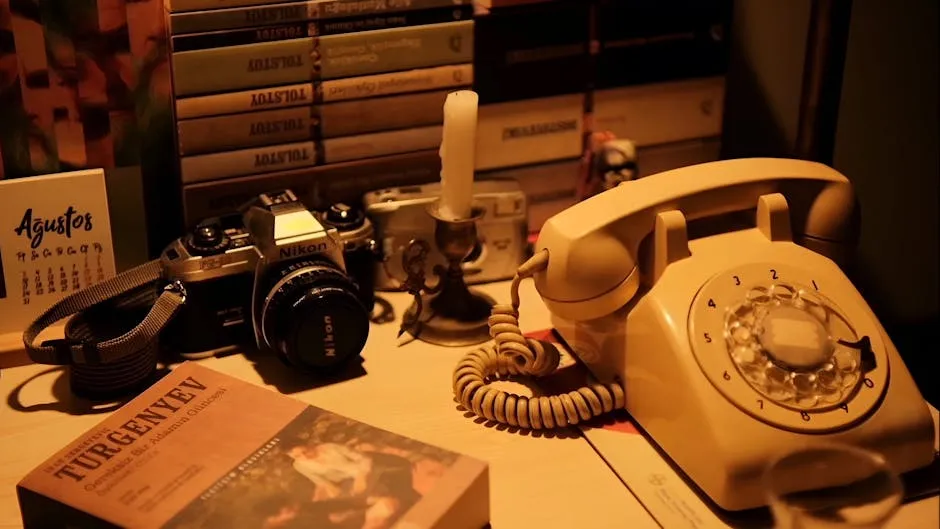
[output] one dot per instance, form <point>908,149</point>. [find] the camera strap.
<point>109,341</point>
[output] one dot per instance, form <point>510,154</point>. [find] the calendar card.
<point>55,239</point>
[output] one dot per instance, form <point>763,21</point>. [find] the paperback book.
<point>658,113</point>
<point>651,42</point>
<point>178,6</point>
<point>529,131</point>
<point>318,28</point>
<point>549,187</point>
<point>317,186</point>
<point>532,51</point>
<point>214,166</point>
<point>666,157</point>
<point>319,58</point>
<point>452,77</point>
<point>346,118</point>
<point>203,449</point>
<point>286,12</point>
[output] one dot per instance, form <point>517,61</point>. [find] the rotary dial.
<point>776,345</point>
<point>789,344</point>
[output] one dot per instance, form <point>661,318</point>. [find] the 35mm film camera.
<point>294,281</point>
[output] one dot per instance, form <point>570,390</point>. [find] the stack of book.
<point>329,97</point>
<point>532,62</point>
<point>659,78</point>
<point>550,73</point>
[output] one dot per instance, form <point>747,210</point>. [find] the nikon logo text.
<point>297,251</point>
<point>329,342</point>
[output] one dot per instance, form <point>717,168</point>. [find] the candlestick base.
<point>469,328</point>
<point>451,314</point>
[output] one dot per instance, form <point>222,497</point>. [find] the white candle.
<point>458,150</point>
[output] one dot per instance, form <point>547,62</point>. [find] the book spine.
<point>660,158</point>
<point>364,146</point>
<point>386,84</point>
<point>539,214</point>
<point>255,129</point>
<point>551,57</point>
<point>321,58</point>
<point>237,37</point>
<point>383,113</point>
<point>641,43</point>
<point>247,161</point>
<point>450,76</point>
<point>315,186</point>
<point>658,113</point>
<point>345,118</point>
<point>177,6</point>
<point>531,131</point>
<point>285,13</point>
<point>498,4</point>
<point>549,187</point>
<point>246,101</point>
<point>541,182</point>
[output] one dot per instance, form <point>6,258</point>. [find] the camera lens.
<point>312,315</point>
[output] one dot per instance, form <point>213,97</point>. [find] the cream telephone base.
<point>729,349</point>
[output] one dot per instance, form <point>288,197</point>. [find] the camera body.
<point>292,280</point>
<point>400,216</point>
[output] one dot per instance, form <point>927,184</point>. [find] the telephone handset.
<point>593,245</point>
<point>729,349</point>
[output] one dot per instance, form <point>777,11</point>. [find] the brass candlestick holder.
<point>449,313</point>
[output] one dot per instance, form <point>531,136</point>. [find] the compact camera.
<point>295,281</point>
<point>400,216</point>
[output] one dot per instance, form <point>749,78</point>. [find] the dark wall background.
<point>886,143</point>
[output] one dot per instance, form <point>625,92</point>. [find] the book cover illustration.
<point>325,471</point>
<point>83,83</point>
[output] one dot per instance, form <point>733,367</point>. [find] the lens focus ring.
<point>312,316</point>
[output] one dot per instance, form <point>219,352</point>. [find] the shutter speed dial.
<point>208,238</point>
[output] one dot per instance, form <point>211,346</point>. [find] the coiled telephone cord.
<point>514,354</point>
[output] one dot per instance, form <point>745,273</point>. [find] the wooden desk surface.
<point>543,481</point>
<point>535,480</point>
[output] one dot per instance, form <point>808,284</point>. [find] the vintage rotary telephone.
<point>729,349</point>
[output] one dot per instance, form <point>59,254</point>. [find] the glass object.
<point>832,487</point>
